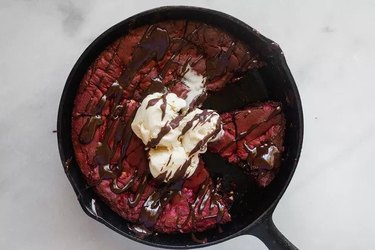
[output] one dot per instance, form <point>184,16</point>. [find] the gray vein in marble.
<point>73,17</point>
<point>328,29</point>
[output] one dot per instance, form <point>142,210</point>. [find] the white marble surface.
<point>329,46</point>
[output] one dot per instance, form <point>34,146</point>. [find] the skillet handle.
<point>267,232</point>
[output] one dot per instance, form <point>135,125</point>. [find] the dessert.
<point>174,135</point>
<point>138,131</point>
<point>253,138</point>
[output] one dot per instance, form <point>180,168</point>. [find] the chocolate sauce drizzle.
<point>206,191</point>
<point>153,46</point>
<point>88,131</point>
<point>264,156</point>
<point>216,66</point>
<point>155,203</point>
<point>155,141</point>
<point>163,106</point>
<point>243,134</point>
<point>201,117</point>
<point>206,138</point>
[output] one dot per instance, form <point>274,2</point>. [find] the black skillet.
<point>252,212</point>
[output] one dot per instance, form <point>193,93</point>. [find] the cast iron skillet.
<point>252,213</point>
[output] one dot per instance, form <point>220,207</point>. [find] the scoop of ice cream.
<point>201,126</point>
<point>174,136</point>
<point>154,113</point>
<point>171,164</point>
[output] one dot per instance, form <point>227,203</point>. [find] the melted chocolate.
<point>152,102</point>
<point>161,177</point>
<point>156,86</point>
<point>155,141</point>
<point>202,117</point>
<point>220,208</point>
<point>88,130</point>
<point>174,123</point>
<point>169,160</point>
<point>163,105</point>
<point>217,65</point>
<point>138,193</point>
<point>117,190</point>
<point>206,138</point>
<point>265,156</point>
<point>103,154</point>
<point>181,171</point>
<point>182,43</point>
<point>203,197</point>
<point>166,67</point>
<point>127,135</point>
<point>153,45</point>
<point>155,203</point>
<point>251,129</point>
<point>206,196</point>
<point>191,216</point>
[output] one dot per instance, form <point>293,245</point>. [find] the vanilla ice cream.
<point>149,118</point>
<point>195,83</point>
<point>174,138</point>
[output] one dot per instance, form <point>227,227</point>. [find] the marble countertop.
<point>329,46</point>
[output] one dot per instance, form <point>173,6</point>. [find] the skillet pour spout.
<point>253,214</point>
